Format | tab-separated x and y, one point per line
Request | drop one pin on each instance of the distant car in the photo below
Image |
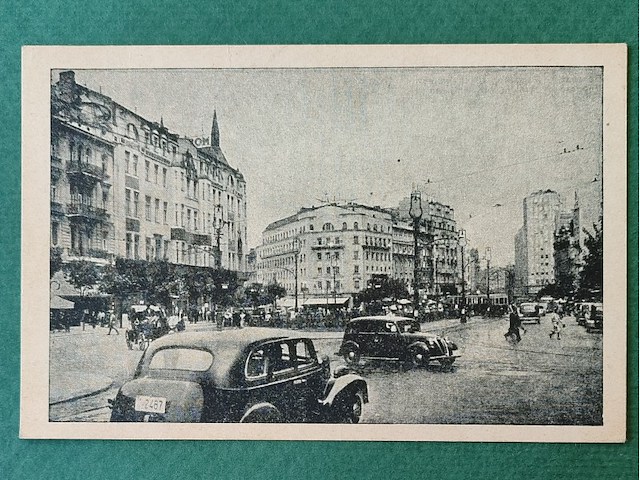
583	312
246	375
394	338
594	318
530	312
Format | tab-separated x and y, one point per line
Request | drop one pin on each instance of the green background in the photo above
287	22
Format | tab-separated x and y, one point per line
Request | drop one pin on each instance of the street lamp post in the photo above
463	243
415	212
487	254
296	252
219	223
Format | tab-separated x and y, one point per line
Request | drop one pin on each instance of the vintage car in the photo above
245	375
594	318
394	338
530	311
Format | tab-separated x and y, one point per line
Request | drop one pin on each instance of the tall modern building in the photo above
123	185
534	250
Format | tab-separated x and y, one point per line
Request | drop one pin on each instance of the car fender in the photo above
346	383
263	412
419	344
347	344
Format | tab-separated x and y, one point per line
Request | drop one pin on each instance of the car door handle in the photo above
299	381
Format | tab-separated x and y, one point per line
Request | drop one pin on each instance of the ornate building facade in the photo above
125	186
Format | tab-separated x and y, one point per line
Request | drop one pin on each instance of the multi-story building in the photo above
534	243
122	185
339	248
439	244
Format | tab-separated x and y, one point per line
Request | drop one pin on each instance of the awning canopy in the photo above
58	303
330	301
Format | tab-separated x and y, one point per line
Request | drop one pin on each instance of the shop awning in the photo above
58	303
319	302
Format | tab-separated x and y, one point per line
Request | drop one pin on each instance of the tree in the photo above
55	261
591	276
275	291
81	273
383	287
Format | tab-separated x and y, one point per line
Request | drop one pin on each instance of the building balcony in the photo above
86	170
377	247
84	211
328	246
56	167
92	253
57	209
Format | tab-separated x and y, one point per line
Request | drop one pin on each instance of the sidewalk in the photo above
69	386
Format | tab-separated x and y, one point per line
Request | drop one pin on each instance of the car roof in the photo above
386	318
229	348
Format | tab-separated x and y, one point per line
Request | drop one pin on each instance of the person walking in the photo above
556	325
112	323
514	323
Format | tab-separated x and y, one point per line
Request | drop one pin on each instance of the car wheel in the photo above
351	407
262	413
352	355
419	357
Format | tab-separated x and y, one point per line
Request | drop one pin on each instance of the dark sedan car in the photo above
247	375
394	338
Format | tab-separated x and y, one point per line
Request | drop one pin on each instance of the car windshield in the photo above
528	307
181	359
408	326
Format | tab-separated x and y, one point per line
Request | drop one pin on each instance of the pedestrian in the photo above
112	323
556	325
514	323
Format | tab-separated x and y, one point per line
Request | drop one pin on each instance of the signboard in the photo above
202	142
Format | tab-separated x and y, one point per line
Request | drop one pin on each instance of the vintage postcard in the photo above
399	242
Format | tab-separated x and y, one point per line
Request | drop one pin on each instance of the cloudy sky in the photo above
473	138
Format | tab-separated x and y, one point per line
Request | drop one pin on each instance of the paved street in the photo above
538	381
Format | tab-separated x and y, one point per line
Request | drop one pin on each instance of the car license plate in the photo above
150	404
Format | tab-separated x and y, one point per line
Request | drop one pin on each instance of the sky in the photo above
478	139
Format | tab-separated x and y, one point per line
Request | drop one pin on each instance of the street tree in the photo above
384	287
275	291
81	274
591	276
55	261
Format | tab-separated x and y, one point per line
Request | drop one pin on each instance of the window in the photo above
356	284
256	364
157	211
356	240
135	165
328	270
311	227
356	255
127	161
337	256
136	197
164	177
129	245
336	270
147	170
280	356
54	233
304	354
155	174
320	271
165	210
147	207
136	246
319	256
188	359
127	201
356	269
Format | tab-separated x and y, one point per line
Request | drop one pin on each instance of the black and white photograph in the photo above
426	242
